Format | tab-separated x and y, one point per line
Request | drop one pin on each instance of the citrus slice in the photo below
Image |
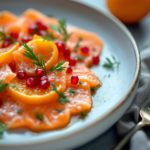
41	47
36	95
6	54
6	75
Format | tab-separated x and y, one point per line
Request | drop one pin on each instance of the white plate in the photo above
110	101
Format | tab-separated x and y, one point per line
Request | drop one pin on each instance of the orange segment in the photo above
46	49
6	75
6	54
89	39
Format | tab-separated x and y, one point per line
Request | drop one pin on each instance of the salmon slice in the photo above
89	39
54	115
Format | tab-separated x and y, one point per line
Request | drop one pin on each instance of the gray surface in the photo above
141	33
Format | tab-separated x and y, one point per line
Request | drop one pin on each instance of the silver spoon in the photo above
145	115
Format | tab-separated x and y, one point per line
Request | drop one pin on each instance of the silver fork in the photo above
145	115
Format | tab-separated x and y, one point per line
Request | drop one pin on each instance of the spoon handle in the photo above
126	138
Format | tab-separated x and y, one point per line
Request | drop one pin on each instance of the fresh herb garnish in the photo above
58	67
62	98
83	114
93	89
39	116
2	129
19	111
48	37
2	86
79	57
72	91
3	36
38	60
61	28
111	63
80	83
78	44
59	110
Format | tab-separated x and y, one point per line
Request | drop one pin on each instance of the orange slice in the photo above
6	54
46	49
22	93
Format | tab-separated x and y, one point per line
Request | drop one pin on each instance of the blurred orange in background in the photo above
129	11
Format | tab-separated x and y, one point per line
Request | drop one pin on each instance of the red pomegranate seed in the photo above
14	35
41	33
32	29
85	50
95	60
21	74
31	82
44	84
66	53
69	69
74	80
6	44
72	62
44	78
26	39
40	25
39	72
12	65
60	45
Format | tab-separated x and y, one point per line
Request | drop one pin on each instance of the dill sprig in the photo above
4	36
2	129
58	67
77	45
61	28
48	37
38	60
2	86
39	116
62	98
111	63
72	91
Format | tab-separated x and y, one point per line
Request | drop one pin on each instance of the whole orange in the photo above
129	11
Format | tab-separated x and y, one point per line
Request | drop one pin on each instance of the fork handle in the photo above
126	138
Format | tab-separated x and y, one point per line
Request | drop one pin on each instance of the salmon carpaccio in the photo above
73	82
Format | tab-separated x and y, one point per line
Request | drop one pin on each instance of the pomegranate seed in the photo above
74	80
26	39
31	82
1	102
72	62
41	33
6	44
44	78
32	29
69	69
39	72
44	84
40	25
66	53
60	45
85	50
21	74
95	60
12	65
14	35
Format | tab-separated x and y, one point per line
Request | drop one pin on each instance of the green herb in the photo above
2	129
2	86
83	114
79	57
3	36
61	28
38	60
59	110
20	111
72	91
39	116
58	67
62	98
80	83
48	37
93	89
13	85
77	44
111	63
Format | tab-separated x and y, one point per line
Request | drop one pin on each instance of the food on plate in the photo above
44	74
